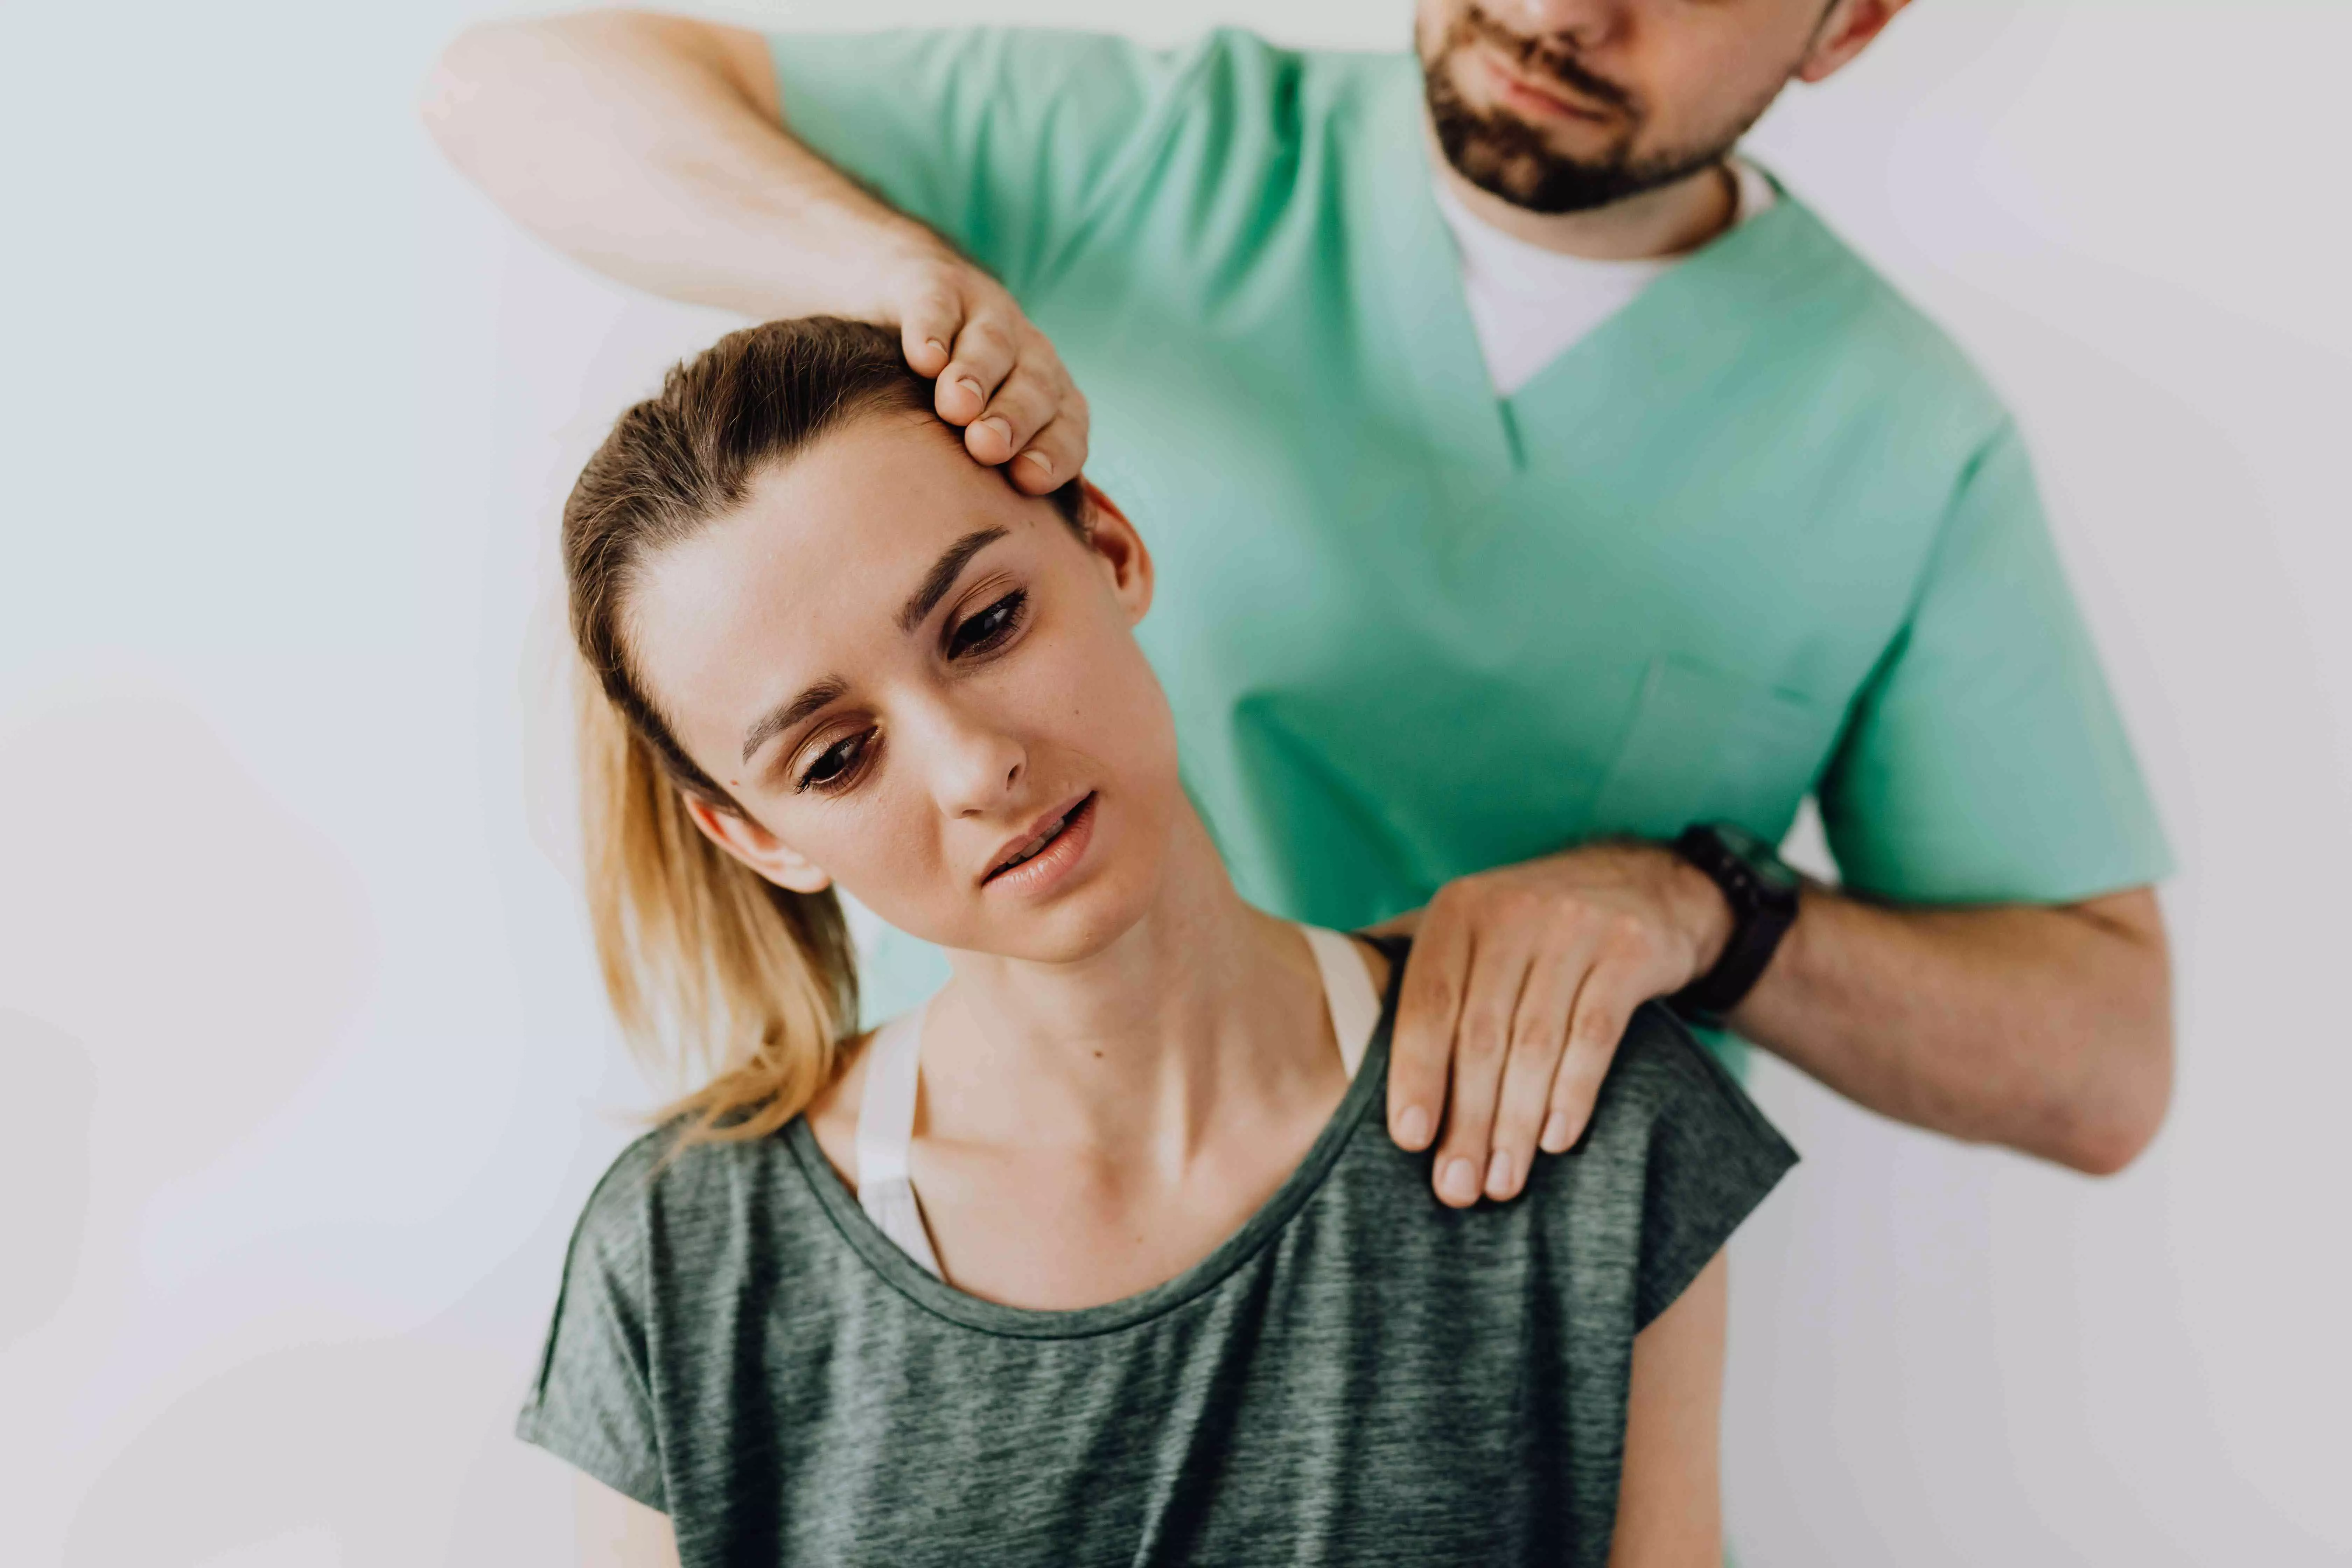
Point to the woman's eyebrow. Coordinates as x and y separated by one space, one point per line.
944 574
784 717
927 594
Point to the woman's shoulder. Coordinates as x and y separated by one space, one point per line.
687 1186
1673 1162
673 1226
1678 1155
680 1186
1662 1073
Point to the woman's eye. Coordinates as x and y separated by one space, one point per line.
989 628
836 762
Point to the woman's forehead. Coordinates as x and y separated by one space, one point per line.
811 574
889 486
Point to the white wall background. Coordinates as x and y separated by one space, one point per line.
303 1072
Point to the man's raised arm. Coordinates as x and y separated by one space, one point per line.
653 149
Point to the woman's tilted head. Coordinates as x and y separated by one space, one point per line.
829 647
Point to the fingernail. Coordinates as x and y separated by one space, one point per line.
1460 1183
972 386
1557 1133
1045 464
1412 1127
934 342
999 426
1498 1175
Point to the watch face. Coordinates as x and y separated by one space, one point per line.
1762 859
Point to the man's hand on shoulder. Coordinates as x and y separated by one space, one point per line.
1519 987
998 376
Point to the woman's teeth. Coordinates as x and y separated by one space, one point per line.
1037 843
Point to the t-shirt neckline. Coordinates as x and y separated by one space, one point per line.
910 1279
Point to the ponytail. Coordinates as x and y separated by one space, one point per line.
711 968
714 972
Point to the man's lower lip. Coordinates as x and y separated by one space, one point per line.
1522 96
1045 867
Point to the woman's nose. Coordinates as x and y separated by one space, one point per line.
976 765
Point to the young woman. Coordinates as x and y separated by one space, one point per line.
1102 1257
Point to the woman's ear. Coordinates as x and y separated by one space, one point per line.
757 848
1122 549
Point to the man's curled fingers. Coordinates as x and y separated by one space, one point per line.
984 356
1019 410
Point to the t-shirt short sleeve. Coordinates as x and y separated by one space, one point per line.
592 1404
1001 138
1985 760
1712 1158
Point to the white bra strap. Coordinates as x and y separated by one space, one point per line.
886 1131
1347 991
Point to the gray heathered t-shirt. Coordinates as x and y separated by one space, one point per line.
1359 1374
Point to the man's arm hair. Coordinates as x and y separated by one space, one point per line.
2045 1029
653 149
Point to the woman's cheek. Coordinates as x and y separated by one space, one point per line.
883 851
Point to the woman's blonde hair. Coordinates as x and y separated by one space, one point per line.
747 986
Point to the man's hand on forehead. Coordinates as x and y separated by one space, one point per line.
998 376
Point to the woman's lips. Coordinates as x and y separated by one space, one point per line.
1050 864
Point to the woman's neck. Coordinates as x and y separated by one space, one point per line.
1204 1013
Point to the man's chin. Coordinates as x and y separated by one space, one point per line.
1525 166
1543 183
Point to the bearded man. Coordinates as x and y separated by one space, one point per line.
1544 502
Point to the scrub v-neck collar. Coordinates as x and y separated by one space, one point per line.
1432 360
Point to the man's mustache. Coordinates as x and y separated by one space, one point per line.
1539 58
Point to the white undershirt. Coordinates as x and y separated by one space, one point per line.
1531 305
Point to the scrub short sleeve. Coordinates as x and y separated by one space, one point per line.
592 1403
1000 139
1711 1158
1985 760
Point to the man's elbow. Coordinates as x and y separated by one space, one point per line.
511 68
2125 1105
2115 1102
448 101
502 84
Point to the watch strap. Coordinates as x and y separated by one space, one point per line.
1761 915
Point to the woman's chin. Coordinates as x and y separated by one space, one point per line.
1082 922
1074 927
1117 876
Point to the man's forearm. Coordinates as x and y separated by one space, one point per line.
651 148
2049 1030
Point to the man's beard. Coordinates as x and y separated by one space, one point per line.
1510 158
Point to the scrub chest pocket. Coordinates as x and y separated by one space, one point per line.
1706 745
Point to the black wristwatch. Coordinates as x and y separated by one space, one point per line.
1762 893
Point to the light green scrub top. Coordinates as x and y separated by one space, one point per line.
1763 533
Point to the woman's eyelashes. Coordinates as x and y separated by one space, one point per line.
838 765
990 628
841 763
